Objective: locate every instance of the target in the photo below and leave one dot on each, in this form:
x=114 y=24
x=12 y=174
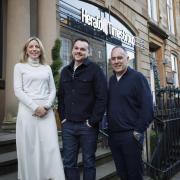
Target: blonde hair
x=24 y=55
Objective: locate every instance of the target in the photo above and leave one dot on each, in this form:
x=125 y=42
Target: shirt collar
x=85 y=63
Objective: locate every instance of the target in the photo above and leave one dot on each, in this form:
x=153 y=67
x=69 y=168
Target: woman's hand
x=40 y=111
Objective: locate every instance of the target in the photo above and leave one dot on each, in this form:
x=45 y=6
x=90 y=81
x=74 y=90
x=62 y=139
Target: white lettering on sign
x=104 y=25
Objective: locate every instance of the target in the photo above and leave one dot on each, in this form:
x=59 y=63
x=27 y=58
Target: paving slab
x=176 y=177
x=11 y=176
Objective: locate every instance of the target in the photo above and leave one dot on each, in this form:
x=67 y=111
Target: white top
x=118 y=77
x=34 y=83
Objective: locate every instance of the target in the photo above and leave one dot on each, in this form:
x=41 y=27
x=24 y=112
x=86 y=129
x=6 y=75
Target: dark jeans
x=74 y=136
x=127 y=155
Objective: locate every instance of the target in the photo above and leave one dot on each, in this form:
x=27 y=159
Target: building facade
x=148 y=29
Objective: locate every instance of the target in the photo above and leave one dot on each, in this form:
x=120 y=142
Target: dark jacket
x=130 y=105
x=83 y=93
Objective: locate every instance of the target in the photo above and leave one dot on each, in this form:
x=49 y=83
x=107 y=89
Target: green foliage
x=57 y=62
x=153 y=141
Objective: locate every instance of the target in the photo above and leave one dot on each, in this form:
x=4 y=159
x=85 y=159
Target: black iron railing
x=163 y=154
x=165 y=135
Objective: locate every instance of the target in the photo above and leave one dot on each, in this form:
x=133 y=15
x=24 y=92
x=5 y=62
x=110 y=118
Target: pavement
x=176 y=177
x=13 y=176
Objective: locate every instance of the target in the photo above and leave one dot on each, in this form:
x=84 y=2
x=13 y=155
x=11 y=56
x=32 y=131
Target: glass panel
x=174 y=66
x=101 y=42
x=170 y=16
x=91 y=22
x=65 y=50
x=152 y=76
x=149 y=8
x=152 y=9
x=173 y=62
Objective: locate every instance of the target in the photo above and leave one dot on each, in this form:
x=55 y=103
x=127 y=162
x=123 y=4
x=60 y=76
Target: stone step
x=9 y=126
x=101 y=154
x=10 y=176
x=104 y=164
x=13 y=176
x=8 y=162
x=103 y=172
x=106 y=171
x=8 y=156
x=7 y=142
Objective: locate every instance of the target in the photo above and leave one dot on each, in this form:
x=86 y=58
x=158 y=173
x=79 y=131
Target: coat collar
x=85 y=63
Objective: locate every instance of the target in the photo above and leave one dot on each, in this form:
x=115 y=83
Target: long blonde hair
x=24 y=55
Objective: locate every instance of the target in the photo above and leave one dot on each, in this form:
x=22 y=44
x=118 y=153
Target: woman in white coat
x=36 y=132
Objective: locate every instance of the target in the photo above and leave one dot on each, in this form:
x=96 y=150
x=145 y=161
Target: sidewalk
x=176 y=177
x=13 y=176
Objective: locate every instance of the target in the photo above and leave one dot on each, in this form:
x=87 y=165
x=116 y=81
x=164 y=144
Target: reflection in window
x=119 y=33
x=170 y=16
x=152 y=9
x=70 y=15
x=174 y=66
x=152 y=75
x=90 y=51
x=65 y=50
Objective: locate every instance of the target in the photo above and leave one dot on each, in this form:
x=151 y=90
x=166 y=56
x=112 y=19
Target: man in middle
x=81 y=102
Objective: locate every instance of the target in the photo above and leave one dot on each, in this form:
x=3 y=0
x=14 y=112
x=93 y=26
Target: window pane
x=152 y=9
x=65 y=50
x=173 y=62
x=149 y=8
x=174 y=66
x=170 y=16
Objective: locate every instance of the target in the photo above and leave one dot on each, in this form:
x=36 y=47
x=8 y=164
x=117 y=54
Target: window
x=65 y=50
x=170 y=16
x=174 y=65
x=152 y=74
x=152 y=9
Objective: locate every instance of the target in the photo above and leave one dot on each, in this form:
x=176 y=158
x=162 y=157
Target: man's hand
x=87 y=123
x=137 y=135
x=63 y=121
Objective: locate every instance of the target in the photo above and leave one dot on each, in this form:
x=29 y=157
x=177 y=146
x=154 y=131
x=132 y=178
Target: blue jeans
x=74 y=136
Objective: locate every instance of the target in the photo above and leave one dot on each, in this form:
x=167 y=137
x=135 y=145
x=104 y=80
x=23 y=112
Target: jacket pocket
x=84 y=86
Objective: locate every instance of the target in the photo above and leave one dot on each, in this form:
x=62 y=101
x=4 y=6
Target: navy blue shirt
x=130 y=105
x=83 y=93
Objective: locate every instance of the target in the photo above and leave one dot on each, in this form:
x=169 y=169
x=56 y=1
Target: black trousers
x=127 y=155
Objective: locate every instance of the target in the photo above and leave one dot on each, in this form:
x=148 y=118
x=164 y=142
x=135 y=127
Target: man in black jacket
x=82 y=101
x=130 y=111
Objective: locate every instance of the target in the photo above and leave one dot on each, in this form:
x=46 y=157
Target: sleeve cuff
x=47 y=106
x=34 y=107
